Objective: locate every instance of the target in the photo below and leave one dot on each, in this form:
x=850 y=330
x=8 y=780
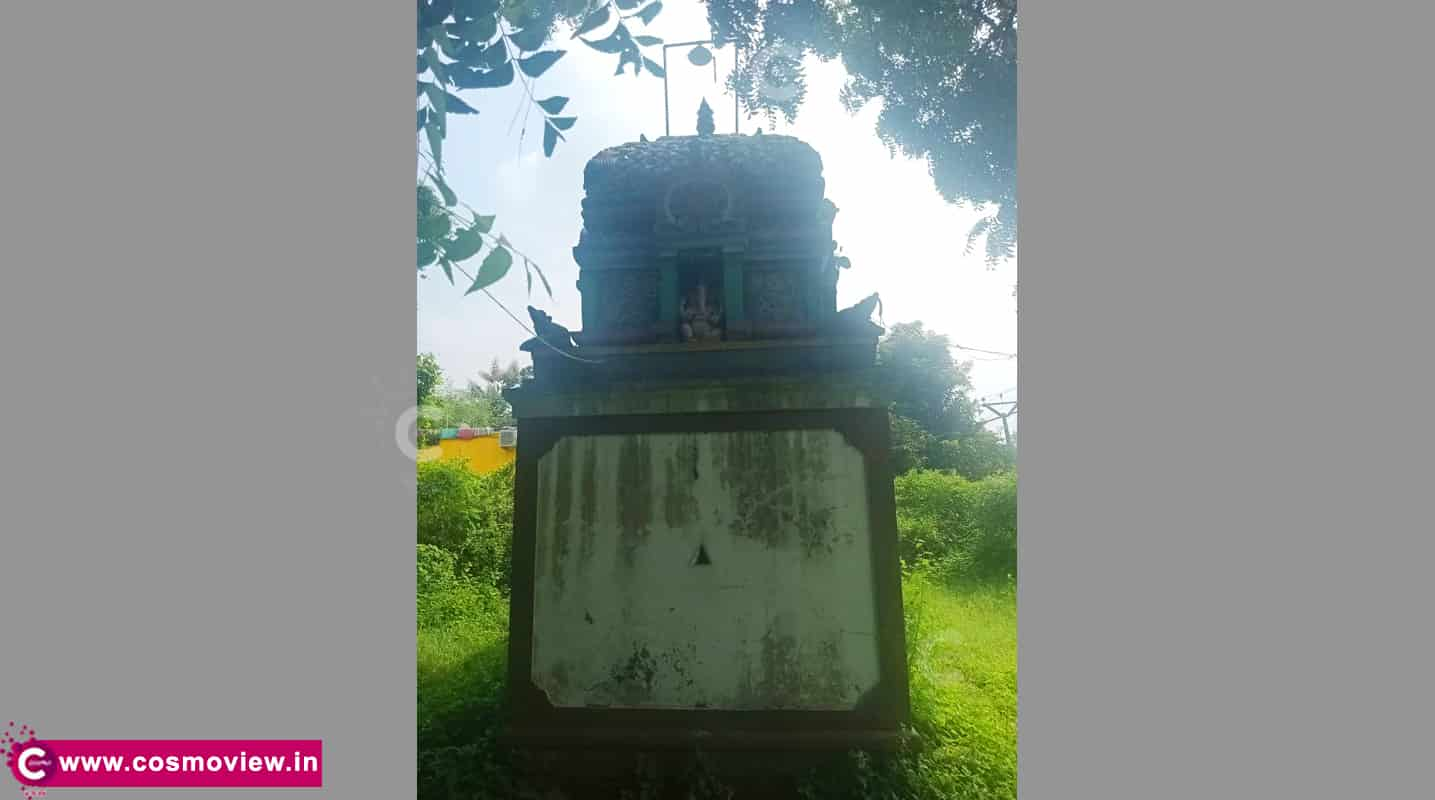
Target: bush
x=956 y=527
x=961 y=642
x=975 y=456
x=445 y=596
x=961 y=653
x=470 y=516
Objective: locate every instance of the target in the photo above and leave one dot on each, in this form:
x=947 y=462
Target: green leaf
x=490 y=57
x=435 y=142
x=494 y=78
x=483 y=224
x=528 y=273
x=474 y=8
x=431 y=58
x=613 y=44
x=629 y=56
x=493 y=268
x=481 y=30
x=563 y=123
x=447 y=269
x=517 y=12
x=649 y=13
x=552 y=105
x=449 y=198
x=530 y=38
x=438 y=100
x=647 y=41
x=423 y=117
x=594 y=21
x=653 y=67
x=550 y=139
x=538 y=63
x=431 y=13
x=427 y=201
x=464 y=245
x=427 y=253
x=628 y=5
x=434 y=228
x=450 y=46
x=457 y=106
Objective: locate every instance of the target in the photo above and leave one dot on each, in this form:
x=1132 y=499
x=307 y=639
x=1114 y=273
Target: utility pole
x=1008 y=410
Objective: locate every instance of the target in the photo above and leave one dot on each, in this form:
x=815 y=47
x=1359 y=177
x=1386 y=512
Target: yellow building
x=482 y=449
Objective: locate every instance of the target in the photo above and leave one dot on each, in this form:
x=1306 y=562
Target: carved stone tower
x=704 y=535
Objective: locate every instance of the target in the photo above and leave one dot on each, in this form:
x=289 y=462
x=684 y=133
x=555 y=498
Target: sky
x=904 y=241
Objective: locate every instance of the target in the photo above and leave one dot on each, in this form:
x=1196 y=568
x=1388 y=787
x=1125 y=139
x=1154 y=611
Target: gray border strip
x=1224 y=296
x=207 y=320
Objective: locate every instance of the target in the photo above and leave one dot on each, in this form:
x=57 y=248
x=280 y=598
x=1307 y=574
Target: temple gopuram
x=705 y=545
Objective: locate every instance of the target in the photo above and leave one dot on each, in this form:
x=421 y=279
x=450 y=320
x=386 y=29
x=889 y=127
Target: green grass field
x=962 y=651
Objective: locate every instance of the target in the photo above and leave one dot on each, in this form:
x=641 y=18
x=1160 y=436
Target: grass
x=961 y=643
x=962 y=658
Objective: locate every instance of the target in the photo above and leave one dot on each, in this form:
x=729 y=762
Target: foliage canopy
x=945 y=73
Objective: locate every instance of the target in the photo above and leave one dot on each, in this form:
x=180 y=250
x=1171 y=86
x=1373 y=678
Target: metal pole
x=667 y=125
x=735 y=128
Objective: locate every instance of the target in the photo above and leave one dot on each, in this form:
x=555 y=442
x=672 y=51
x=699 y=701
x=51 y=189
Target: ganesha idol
x=702 y=322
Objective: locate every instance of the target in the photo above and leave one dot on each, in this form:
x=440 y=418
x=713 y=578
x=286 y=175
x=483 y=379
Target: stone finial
x=705 y=119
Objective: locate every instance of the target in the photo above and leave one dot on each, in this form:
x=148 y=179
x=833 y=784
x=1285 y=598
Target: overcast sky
x=904 y=240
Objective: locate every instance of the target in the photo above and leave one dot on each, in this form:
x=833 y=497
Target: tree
x=503 y=377
x=934 y=422
x=945 y=72
x=430 y=376
x=923 y=381
x=486 y=44
x=480 y=405
x=974 y=455
x=911 y=444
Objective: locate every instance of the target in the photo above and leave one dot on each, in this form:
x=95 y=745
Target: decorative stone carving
x=702 y=320
x=627 y=299
x=638 y=167
x=697 y=205
x=548 y=331
x=705 y=119
x=772 y=296
x=858 y=316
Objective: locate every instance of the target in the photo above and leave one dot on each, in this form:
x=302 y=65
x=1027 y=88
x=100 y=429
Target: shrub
x=470 y=516
x=438 y=569
x=446 y=597
x=957 y=527
x=975 y=456
x=961 y=652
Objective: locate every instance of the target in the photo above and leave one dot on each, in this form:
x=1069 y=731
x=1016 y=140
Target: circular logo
x=406 y=433
x=33 y=763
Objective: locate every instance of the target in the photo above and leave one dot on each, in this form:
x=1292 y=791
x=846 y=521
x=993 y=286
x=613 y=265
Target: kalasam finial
x=705 y=119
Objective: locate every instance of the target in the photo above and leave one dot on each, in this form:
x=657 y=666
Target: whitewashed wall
x=784 y=616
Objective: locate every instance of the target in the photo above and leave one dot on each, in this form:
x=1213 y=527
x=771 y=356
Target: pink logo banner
x=166 y=763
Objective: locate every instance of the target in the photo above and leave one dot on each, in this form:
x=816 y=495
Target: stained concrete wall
x=626 y=614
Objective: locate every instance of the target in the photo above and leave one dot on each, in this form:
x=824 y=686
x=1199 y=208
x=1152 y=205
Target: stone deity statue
x=702 y=321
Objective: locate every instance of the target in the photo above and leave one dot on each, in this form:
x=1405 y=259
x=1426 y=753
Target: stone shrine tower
x=705 y=546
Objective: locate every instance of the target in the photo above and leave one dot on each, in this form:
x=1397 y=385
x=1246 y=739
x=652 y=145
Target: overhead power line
x=981 y=350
